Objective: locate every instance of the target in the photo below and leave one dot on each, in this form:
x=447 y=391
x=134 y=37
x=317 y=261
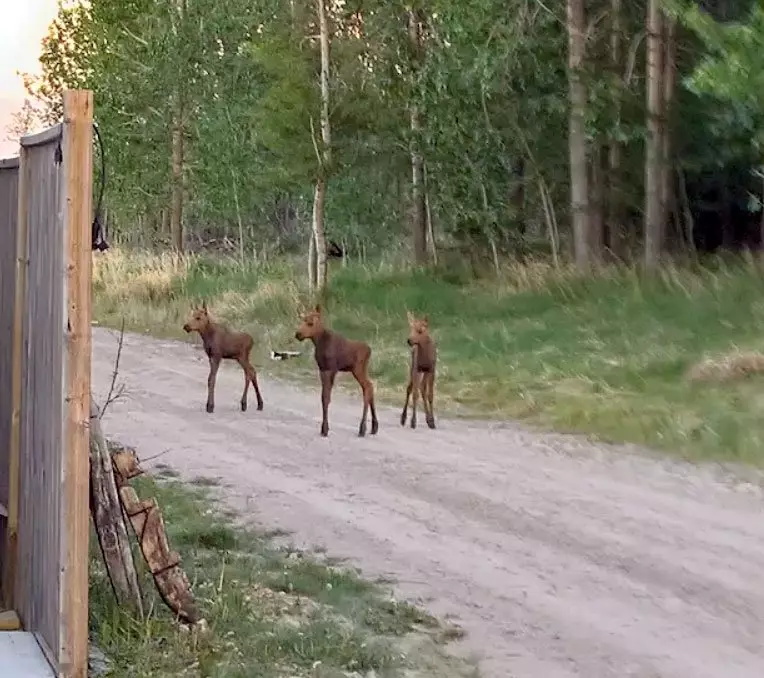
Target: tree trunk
x=761 y=222
x=106 y=511
x=176 y=205
x=669 y=81
x=312 y=261
x=319 y=196
x=654 y=214
x=418 y=197
x=615 y=226
x=239 y=220
x=319 y=237
x=178 y=133
x=517 y=196
x=597 y=202
x=579 y=184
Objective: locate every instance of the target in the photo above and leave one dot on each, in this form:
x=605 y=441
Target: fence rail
x=45 y=277
x=43 y=138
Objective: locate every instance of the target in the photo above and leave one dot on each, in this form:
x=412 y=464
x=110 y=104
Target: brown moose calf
x=422 y=374
x=222 y=343
x=334 y=353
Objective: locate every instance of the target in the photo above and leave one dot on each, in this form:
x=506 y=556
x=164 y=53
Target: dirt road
x=557 y=557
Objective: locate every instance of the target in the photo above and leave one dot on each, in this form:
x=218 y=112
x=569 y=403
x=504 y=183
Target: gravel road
x=558 y=557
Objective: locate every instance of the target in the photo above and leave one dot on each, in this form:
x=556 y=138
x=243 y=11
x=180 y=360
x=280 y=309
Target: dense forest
x=611 y=131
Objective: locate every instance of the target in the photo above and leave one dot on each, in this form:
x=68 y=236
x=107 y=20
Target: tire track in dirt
x=559 y=557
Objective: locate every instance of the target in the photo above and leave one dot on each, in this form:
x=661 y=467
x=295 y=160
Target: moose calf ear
x=410 y=317
x=317 y=308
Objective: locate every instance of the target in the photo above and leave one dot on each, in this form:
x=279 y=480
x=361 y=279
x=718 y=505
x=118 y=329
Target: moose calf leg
x=364 y=413
x=406 y=404
x=430 y=392
x=327 y=381
x=417 y=385
x=246 y=387
x=368 y=403
x=250 y=376
x=257 y=389
x=374 y=421
x=214 y=364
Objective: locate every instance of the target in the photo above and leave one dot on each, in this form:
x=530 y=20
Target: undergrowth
x=605 y=354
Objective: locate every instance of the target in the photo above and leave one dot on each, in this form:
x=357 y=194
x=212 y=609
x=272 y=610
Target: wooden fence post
x=19 y=305
x=77 y=155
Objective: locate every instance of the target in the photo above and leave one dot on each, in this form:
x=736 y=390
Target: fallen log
x=148 y=525
x=106 y=511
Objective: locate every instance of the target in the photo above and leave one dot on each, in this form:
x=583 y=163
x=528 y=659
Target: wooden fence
x=45 y=273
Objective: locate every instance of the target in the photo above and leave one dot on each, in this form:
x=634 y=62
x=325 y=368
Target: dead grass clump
x=143 y=277
x=728 y=367
x=287 y=608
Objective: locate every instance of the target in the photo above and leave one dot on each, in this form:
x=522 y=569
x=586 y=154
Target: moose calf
x=334 y=353
x=422 y=374
x=222 y=343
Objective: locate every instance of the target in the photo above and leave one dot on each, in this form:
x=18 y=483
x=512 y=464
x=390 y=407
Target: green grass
x=270 y=612
x=604 y=355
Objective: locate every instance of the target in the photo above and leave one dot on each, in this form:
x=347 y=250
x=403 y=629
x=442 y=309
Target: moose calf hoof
x=362 y=430
x=259 y=405
x=374 y=427
x=210 y=408
x=243 y=406
x=324 y=430
x=431 y=423
x=403 y=419
x=413 y=423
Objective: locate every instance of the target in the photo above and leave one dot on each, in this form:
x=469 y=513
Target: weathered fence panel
x=46 y=463
x=42 y=407
x=9 y=173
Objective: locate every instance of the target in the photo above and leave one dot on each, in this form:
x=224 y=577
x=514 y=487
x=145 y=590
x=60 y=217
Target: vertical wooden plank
x=78 y=177
x=9 y=180
x=19 y=305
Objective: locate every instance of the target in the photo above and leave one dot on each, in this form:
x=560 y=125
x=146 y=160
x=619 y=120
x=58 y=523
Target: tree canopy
x=239 y=83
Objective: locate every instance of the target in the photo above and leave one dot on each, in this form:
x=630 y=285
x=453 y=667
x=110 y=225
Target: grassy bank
x=270 y=613
x=605 y=355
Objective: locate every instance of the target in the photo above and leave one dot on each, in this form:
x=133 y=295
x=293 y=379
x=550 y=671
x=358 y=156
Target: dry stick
x=551 y=222
x=112 y=396
x=153 y=456
x=491 y=238
x=428 y=212
x=689 y=223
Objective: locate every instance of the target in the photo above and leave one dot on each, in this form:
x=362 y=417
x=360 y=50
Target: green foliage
x=491 y=86
x=65 y=57
x=733 y=69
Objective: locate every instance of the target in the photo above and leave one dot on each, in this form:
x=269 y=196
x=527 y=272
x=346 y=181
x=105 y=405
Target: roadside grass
x=606 y=354
x=270 y=612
